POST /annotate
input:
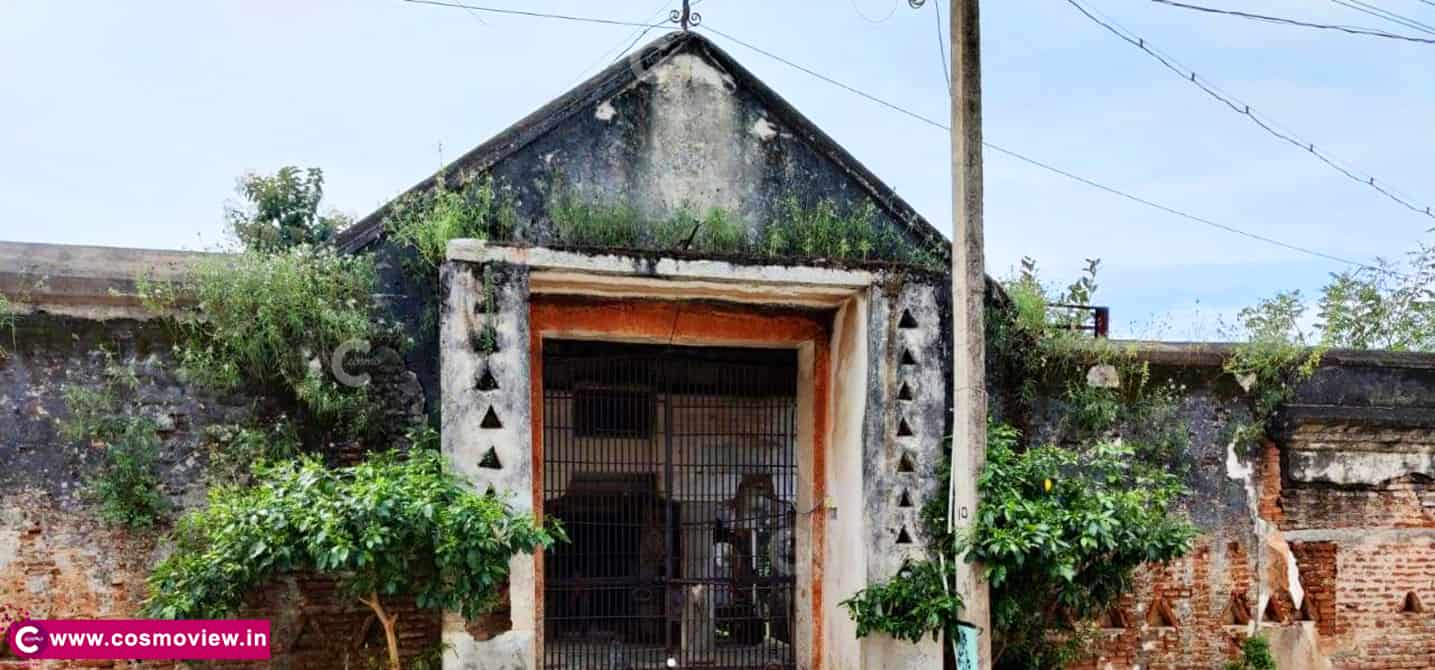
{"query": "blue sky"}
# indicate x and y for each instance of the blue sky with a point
(127, 123)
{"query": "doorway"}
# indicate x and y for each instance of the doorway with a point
(674, 472)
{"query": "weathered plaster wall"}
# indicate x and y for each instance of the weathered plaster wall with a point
(486, 405)
(1319, 535)
(907, 416)
(685, 133)
(58, 560)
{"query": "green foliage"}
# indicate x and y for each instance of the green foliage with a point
(1059, 532)
(234, 449)
(822, 231)
(281, 212)
(392, 525)
(1385, 307)
(915, 603)
(270, 324)
(818, 232)
(7, 322)
(127, 487)
(1275, 358)
(1255, 655)
(427, 220)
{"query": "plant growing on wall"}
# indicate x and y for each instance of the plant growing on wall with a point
(1274, 358)
(1064, 522)
(1059, 532)
(270, 325)
(7, 323)
(1255, 655)
(427, 220)
(281, 211)
(820, 231)
(127, 486)
(393, 525)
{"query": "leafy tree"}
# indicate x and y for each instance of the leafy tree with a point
(391, 526)
(281, 212)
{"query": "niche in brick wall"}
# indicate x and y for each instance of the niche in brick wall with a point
(1237, 612)
(370, 635)
(1307, 610)
(903, 537)
(905, 465)
(907, 357)
(907, 322)
(1412, 604)
(307, 637)
(1113, 618)
(905, 500)
(1160, 615)
(490, 420)
(904, 393)
(1275, 610)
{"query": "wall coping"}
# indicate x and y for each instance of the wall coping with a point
(611, 274)
(90, 282)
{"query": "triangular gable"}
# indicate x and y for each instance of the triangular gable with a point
(606, 135)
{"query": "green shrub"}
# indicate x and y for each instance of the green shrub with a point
(394, 525)
(270, 324)
(1255, 655)
(127, 487)
(427, 220)
(918, 602)
(1059, 532)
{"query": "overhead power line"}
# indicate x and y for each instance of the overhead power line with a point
(1265, 123)
(1280, 20)
(630, 40)
(942, 48)
(1372, 10)
(1051, 168)
(539, 15)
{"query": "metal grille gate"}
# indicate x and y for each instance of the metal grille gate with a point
(673, 471)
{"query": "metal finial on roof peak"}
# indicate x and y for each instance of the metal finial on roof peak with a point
(685, 17)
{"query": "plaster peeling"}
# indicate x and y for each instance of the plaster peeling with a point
(1237, 470)
(690, 69)
(763, 130)
(9, 546)
(605, 111)
(1268, 536)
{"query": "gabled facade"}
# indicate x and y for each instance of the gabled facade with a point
(736, 441)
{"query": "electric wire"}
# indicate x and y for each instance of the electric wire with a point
(1051, 168)
(942, 47)
(539, 15)
(869, 19)
(630, 40)
(1243, 109)
(1266, 18)
(1372, 10)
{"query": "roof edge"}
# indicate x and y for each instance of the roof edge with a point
(614, 78)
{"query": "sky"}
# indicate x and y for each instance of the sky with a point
(127, 124)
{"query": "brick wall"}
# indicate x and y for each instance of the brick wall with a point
(59, 561)
(1353, 514)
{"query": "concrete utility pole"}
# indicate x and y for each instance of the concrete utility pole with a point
(969, 436)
